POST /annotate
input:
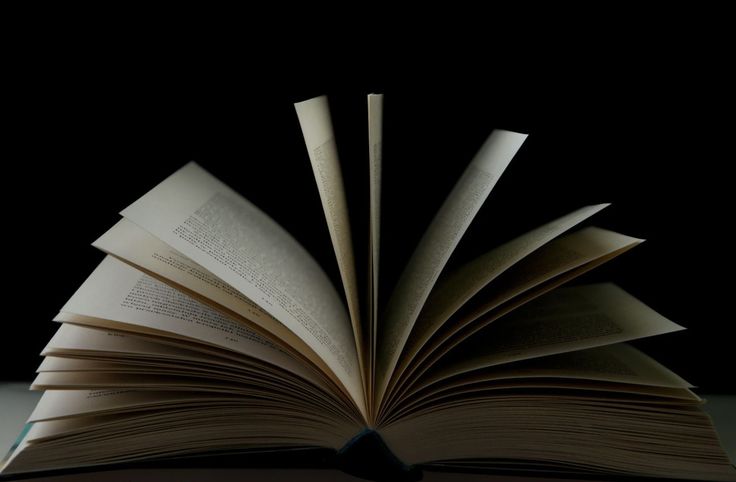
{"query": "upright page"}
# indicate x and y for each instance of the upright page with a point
(436, 246)
(316, 122)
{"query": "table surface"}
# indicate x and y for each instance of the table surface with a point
(17, 402)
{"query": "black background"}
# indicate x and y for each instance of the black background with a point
(647, 127)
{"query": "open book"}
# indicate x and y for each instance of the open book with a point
(208, 329)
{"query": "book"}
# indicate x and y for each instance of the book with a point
(208, 329)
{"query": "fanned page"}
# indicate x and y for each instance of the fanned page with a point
(316, 123)
(136, 246)
(169, 375)
(617, 368)
(214, 226)
(116, 292)
(565, 320)
(455, 289)
(547, 267)
(436, 246)
(618, 363)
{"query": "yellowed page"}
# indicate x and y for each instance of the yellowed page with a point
(212, 225)
(115, 291)
(436, 246)
(375, 156)
(566, 319)
(316, 123)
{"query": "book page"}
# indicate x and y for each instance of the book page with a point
(115, 291)
(316, 123)
(375, 156)
(134, 349)
(67, 403)
(475, 392)
(201, 348)
(562, 255)
(139, 248)
(619, 368)
(59, 363)
(76, 428)
(436, 246)
(270, 392)
(92, 362)
(129, 347)
(455, 289)
(564, 320)
(624, 436)
(552, 265)
(211, 224)
(619, 363)
(72, 338)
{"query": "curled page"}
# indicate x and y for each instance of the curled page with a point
(316, 124)
(136, 246)
(458, 287)
(436, 246)
(553, 264)
(565, 320)
(214, 226)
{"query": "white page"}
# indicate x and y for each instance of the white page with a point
(316, 123)
(211, 224)
(436, 246)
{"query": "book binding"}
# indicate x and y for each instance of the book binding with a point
(367, 456)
